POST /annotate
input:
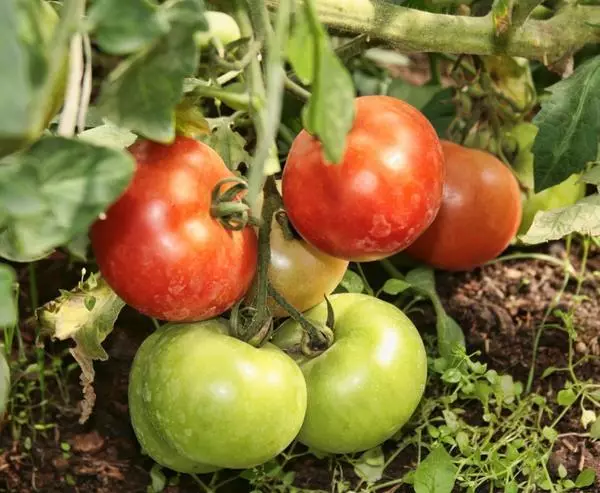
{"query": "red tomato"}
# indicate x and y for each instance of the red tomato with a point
(384, 193)
(160, 249)
(480, 213)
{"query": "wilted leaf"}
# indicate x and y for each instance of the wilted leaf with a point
(72, 315)
(54, 191)
(436, 474)
(582, 217)
(569, 124)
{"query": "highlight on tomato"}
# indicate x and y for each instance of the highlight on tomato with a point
(386, 191)
(160, 248)
(364, 388)
(202, 400)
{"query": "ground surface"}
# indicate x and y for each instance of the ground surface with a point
(499, 308)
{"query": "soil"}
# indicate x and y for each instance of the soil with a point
(498, 306)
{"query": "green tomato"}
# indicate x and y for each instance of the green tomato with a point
(201, 400)
(220, 26)
(564, 194)
(368, 383)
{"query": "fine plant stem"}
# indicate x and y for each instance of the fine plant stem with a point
(413, 31)
(368, 287)
(542, 257)
(39, 348)
(391, 269)
(296, 89)
(540, 331)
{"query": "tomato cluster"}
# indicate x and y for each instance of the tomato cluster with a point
(201, 398)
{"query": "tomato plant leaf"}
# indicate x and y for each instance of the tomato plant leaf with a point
(352, 282)
(142, 92)
(585, 478)
(370, 465)
(74, 315)
(569, 124)
(582, 217)
(108, 135)
(395, 286)
(449, 333)
(229, 145)
(329, 114)
(300, 46)
(436, 474)
(121, 27)
(54, 191)
(8, 306)
(26, 31)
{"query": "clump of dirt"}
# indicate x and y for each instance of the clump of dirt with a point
(500, 308)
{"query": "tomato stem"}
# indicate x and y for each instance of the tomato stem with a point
(255, 332)
(232, 213)
(318, 336)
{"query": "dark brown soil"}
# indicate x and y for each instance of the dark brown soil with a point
(499, 307)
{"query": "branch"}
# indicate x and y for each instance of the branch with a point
(414, 31)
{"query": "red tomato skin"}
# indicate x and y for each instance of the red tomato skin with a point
(480, 213)
(160, 249)
(381, 197)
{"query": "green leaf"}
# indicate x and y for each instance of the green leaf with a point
(450, 334)
(566, 397)
(440, 110)
(108, 135)
(370, 465)
(436, 474)
(121, 27)
(72, 315)
(142, 92)
(158, 479)
(595, 430)
(54, 191)
(229, 145)
(8, 305)
(352, 282)
(582, 217)
(585, 478)
(26, 32)
(417, 96)
(549, 434)
(395, 286)
(569, 124)
(300, 43)
(4, 382)
(329, 114)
